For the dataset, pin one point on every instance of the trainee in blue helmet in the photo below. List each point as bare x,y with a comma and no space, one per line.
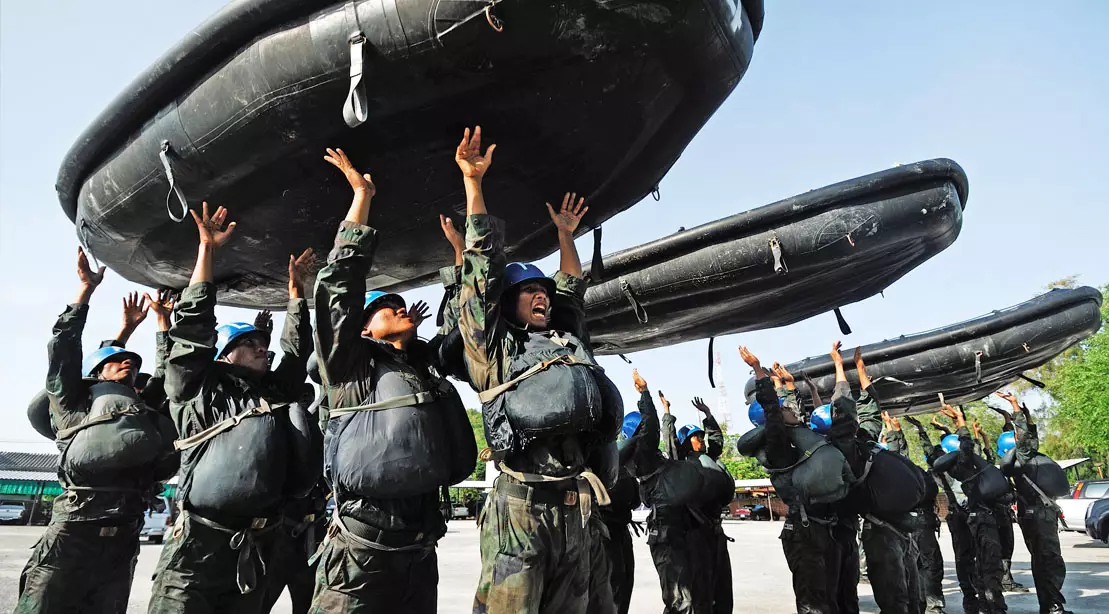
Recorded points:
1005,442
248,447
397,432
528,355
114,449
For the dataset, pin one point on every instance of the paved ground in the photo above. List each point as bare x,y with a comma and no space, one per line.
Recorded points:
762,581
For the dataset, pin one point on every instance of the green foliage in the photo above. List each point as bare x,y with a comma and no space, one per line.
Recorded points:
1078,382
479,434
741,467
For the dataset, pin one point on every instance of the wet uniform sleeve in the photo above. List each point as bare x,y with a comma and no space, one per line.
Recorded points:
451,276
714,437
925,441
648,456
669,437
193,339
569,305
484,335
966,443
780,452
155,392
296,344
1028,444
897,444
869,413
64,383
341,297
790,400
987,450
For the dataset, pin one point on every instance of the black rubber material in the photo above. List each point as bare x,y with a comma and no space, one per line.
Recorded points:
841,243
943,360
595,97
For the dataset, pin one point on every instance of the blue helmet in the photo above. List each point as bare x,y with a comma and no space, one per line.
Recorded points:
1007,441
821,419
228,333
377,295
90,366
688,431
756,414
631,423
518,272
950,443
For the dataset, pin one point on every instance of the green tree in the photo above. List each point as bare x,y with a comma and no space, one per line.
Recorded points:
741,467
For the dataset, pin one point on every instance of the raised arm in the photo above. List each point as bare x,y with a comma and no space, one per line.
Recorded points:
483,271
162,305
844,415
714,435
193,334
1028,440
787,391
868,408
648,457
296,338
922,434
670,447
780,452
895,439
566,220
64,383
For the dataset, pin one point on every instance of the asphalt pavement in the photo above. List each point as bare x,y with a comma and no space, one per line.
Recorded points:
761,578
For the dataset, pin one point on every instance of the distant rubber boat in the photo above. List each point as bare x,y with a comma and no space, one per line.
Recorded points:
777,264
581,95
969,360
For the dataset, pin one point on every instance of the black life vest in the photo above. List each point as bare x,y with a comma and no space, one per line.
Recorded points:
820,475
1044,472
570,395
120,436
411,437
891,484
981,482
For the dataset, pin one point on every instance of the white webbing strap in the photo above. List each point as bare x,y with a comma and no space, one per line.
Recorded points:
408,400
564,359
226,425
588,485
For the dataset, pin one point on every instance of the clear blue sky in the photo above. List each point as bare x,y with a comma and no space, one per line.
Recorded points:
1016,92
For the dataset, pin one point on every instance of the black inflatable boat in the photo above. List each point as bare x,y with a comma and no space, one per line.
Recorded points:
965,361
596,97
780,263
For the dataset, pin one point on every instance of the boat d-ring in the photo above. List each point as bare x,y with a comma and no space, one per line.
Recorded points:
494,21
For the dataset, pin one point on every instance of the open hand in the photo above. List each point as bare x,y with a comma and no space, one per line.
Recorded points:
640,383
567,218
359,182
418,312
469,158
454,237
749,358
88,277
836,358
701,406
665,403
264,321
782,372
300,268
134,310
162,307
211,227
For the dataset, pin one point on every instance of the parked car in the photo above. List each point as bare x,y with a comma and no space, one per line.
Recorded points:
12,513
742,513
157,523
1097,520
1075,506
460,511
760,512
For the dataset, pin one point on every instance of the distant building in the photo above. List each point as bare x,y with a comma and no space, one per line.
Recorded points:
25,479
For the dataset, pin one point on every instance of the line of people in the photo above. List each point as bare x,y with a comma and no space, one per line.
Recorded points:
865,499
258,452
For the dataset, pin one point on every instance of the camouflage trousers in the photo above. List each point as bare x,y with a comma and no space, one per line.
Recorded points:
200,570
1040,527
293,572
618,549
930,568
354,578
823,563
988,555
80,567
893,570
537,554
